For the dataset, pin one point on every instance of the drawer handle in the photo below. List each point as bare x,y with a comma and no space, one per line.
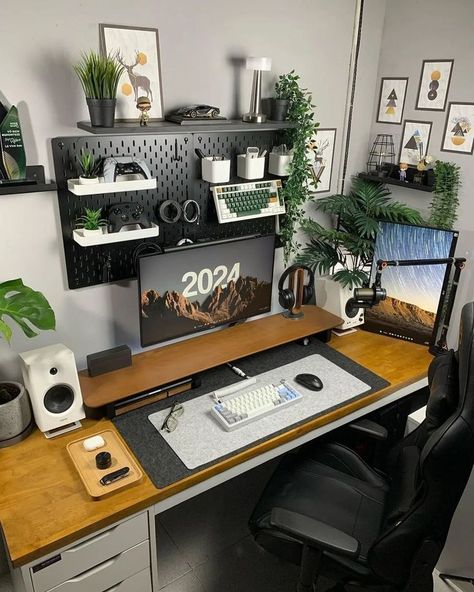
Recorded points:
91,541
95,570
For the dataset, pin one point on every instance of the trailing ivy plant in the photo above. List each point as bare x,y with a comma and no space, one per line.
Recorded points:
351,244
296,188
445,200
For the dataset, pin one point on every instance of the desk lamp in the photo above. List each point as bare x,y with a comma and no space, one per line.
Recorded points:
258,65
367,297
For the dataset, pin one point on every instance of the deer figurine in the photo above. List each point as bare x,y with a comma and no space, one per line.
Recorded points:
135,80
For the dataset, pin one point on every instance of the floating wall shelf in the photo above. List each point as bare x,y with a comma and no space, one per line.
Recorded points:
166,127
101,188
123,235
390,181
35,182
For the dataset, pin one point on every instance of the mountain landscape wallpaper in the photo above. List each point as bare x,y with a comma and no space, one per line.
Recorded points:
413,292
169,314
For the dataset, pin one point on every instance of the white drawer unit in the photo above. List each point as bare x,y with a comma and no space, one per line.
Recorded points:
111,573
140,582
59,567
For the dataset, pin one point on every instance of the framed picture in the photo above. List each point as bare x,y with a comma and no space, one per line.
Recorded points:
458,132
434,84
138,50
392,100
321,159
415,140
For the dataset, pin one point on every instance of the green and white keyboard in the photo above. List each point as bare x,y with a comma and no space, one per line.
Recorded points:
244,201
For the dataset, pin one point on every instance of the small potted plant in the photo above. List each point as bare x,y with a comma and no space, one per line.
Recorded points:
99,76
91,222
286,89
30,310
89,167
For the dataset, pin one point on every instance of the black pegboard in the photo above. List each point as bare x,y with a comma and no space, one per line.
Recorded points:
172,160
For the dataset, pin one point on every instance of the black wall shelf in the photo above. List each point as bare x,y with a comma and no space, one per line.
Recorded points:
391,181
35,176
167,127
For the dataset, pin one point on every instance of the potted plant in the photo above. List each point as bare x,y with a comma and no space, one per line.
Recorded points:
89,167
99,76
29,310
296,190
91,222
284,92
350,246
445,200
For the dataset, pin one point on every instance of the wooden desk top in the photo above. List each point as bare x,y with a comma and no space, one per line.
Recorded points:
44,506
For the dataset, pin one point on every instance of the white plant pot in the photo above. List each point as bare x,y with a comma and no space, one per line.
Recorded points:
15,417
88,180
92,233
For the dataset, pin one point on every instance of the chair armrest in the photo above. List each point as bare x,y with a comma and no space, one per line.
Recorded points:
369,428
314,532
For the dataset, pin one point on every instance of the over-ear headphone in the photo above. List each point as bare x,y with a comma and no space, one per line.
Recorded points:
286,297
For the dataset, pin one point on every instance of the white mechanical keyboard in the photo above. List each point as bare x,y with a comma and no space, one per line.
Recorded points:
244,201
234,412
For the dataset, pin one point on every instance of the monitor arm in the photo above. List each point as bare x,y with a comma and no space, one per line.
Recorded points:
367,297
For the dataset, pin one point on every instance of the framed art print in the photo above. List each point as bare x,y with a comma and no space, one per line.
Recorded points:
138,50
434,84
392,100
321,158
458,133
415,140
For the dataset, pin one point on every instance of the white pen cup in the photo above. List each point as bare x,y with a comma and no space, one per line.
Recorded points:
250,168
278,164
215,171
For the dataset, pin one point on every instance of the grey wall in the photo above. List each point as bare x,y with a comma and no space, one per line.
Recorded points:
416,30
434,29
198,51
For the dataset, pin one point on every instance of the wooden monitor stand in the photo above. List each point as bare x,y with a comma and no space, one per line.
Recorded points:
165,365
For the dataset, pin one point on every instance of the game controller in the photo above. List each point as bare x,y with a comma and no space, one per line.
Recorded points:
124,165
123,214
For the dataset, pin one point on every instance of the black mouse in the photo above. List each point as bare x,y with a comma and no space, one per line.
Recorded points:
310,381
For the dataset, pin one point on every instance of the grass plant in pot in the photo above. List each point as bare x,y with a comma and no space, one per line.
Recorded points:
91,222
89,167
99,76
29,310
349,247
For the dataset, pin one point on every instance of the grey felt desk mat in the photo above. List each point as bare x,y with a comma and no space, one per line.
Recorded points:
163,465
197,424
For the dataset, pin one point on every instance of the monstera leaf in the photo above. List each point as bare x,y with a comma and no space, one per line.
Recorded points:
26,307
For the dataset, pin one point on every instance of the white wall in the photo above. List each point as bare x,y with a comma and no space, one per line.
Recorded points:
416,30
198,50
434,29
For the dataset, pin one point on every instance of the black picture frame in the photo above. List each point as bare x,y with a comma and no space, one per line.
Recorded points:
105,50
443,138
424,63
378,120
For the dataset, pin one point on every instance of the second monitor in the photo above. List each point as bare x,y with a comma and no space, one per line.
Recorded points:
190,289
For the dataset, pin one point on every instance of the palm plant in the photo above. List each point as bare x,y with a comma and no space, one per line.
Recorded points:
351,244
99,75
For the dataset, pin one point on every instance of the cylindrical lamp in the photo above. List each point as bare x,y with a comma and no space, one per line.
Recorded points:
258,65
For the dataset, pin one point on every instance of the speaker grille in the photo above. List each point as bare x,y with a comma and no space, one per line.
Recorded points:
59,398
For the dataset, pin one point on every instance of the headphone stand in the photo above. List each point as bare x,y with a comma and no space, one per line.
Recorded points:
293,315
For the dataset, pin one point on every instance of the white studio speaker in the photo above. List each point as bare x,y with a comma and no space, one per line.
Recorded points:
331,296
51,379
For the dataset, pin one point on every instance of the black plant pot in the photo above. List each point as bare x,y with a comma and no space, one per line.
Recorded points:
280,109
102,112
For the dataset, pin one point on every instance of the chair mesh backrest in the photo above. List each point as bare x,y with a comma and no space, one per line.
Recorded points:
432,465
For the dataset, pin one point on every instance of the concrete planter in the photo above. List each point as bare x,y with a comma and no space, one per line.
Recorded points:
15,415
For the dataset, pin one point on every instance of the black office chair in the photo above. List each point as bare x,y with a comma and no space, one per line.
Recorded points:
328,511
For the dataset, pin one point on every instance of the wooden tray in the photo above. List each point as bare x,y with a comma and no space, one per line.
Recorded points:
84,462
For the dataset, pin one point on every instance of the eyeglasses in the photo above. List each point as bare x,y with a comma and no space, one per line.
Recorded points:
171,420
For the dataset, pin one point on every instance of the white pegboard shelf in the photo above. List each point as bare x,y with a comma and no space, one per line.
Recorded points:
115,237
98,188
